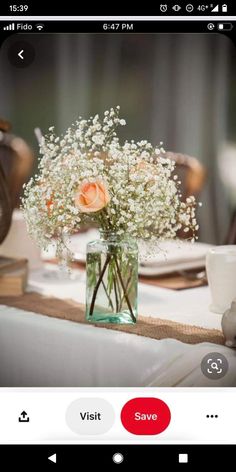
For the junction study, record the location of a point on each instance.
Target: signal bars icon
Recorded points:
(11, 27)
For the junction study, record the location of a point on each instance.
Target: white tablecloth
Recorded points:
(36, 350)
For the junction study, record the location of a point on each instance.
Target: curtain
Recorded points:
(190, 90)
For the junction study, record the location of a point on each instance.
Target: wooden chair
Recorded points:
(231, 235)
(16, 159)
(16, 162)
(5, 207)
(191, 173)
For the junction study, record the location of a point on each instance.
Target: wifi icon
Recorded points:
(39, 27)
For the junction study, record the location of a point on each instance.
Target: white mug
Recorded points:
(221, 274)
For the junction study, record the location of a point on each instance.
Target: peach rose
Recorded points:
(91, 197)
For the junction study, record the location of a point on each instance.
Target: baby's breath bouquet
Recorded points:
(128, 190)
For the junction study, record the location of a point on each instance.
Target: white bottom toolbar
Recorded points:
(117, 416)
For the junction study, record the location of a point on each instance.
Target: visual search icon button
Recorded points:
(214, 365)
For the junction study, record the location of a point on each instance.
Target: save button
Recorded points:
(147, 416)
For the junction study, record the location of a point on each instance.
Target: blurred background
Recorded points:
(175, 88)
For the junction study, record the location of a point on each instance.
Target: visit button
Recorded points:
(145, 416)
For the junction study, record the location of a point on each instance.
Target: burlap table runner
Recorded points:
(155, 328)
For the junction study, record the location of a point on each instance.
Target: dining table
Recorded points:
(42, 351)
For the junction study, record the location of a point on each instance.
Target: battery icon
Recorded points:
(224, 26)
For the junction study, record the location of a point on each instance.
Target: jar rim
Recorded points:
(108, 234)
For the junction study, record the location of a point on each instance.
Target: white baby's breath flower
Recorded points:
(98, 139)
(122, 122)
(144, 197)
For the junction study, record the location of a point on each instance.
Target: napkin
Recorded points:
(174, 256)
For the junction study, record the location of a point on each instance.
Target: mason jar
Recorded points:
(112, 279)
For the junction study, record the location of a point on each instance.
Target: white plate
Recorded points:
(172, 255)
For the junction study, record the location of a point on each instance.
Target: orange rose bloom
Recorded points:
(91, 197)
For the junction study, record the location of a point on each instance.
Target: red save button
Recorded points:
(145, 416)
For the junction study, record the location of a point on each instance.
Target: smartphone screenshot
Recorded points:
(118, 235)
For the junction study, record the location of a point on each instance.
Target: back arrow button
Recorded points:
(20, 54)
(53, 458)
